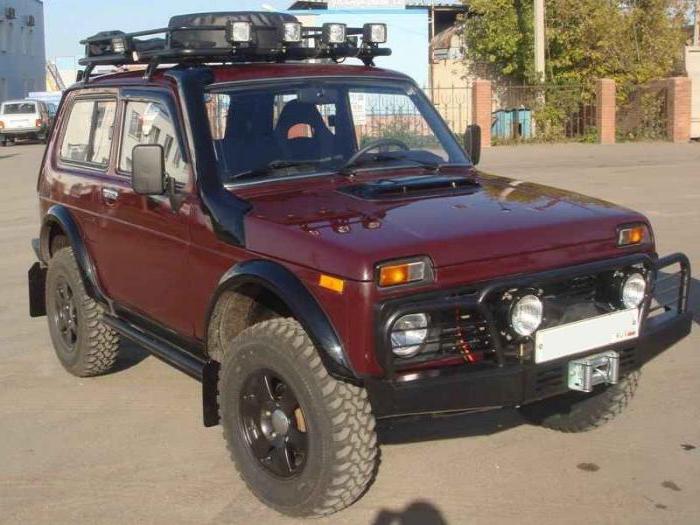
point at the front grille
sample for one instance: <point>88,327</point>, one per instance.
<point>573,299</point>
<point>454,333</point>
<point>460,334</point>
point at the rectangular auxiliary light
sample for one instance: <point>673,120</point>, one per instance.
<point>119,45</point>
<point>239,32</point>
<point>374,33</point>
<point>333,33</point>
<point>291,32</point>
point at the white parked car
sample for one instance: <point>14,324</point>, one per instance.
<point>24,119</point>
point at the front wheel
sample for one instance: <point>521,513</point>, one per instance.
<point>580,412</point>
<point>302,441</point>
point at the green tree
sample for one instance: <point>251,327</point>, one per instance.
<point>499,34</point>
<point>631,41</point>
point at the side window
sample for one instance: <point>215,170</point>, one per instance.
<point>88,136</point>
<point>151,123</point>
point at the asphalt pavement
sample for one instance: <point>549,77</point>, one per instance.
<point>129,447</point>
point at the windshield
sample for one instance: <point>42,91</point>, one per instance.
<point>313,126</point>
<point>18,108</point>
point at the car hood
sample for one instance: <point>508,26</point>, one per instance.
<point>336,227</point>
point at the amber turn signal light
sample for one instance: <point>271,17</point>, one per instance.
<point>331,283</point>
<point>631,235</point>
<point>395,274</point>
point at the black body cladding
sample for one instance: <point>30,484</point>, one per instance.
<point>287,286</point>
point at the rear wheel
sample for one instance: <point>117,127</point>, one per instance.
<point>84,345</point>
<point>580,412</point>
<point>303,442</point>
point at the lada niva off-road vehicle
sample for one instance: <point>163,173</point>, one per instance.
<point>24,119</point>
<point>313,244</point>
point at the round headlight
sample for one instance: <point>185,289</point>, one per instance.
<point>526,315</point>
<point>408,334</point>
<point>633,290</point>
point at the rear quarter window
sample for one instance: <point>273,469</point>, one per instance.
<point>88,133</point>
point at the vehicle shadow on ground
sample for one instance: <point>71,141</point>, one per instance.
<point>8,156</point>
<point>414,429</point>
<point>416,513</point>
<point>130,354</point>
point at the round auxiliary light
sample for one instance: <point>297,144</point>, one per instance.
<point>526,315</point>
<point>633,290</point>
<point>408,334</point>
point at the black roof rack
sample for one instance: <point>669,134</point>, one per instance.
<point>233,37</point>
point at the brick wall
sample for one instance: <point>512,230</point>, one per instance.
<point>605,110</point>
<point>482,100</point>
<point>678,100</point>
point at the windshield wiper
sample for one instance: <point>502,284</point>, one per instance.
<point>347,169</point>
<point>272,166</point>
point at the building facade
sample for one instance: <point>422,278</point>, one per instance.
<point>411,24</point>
<point>22,52</point>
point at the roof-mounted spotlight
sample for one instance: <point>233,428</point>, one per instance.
<point>333,33</point>
<point>291,32</point>
<point>374,33</point>
<point>119,45</point>
<point>238,32</point>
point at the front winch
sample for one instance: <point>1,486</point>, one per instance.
<point>587,372</point>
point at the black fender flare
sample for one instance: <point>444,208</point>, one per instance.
<point>59,215</point>
<point>304,307</point>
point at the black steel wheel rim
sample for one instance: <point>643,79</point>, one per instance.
<point>65,315</point>
<point>273,424</point>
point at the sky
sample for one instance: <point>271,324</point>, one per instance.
<point>69,21</point>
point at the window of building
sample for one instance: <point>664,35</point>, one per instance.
<point>88,134</point>
<point>9,30</point>
<point>151,123</point>
<point>3,36</point>
<point>27,34</point>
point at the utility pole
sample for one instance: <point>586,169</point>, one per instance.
<point>696,32</point>
<point>539,39</point>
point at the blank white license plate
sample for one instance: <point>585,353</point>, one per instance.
<point>19,124</point>
<point>574,338</point>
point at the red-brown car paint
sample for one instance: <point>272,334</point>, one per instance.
<point>167,265</point>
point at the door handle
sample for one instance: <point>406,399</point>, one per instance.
<point>110,194</point>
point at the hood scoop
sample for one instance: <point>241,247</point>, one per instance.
<point>421,186</point>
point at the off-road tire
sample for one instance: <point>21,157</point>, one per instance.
<point>579,412</point>
<point>97,345</point>
<point>342,445</point>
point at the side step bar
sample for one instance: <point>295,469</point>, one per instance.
<point>203,370</point>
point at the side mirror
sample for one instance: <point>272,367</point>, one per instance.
<point>148,169</point>
<point>472,143</point>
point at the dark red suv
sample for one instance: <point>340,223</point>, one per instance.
<point>311,242</point>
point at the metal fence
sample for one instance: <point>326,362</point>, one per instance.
<point>543,113</point>
<point>642,113</point>
<point>454,104</point>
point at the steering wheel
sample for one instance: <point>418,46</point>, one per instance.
<point>374,145</point>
